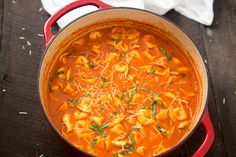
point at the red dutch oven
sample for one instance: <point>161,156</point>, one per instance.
<point>108,13</point>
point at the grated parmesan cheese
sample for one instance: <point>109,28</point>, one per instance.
<point>23,113</point>
<point>21,38</point>
<point>40,9</point>
<point>224,100</point>
<point>28,43</point>
<point>40,35</point>
<point>23,47</point>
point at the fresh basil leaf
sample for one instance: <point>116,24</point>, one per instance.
<point>169,57</point>
<point>152,71</point>
<point>102,107</point>
<point>162,130</point>
<point>130,131</point>
<point>93,143</point>
<point>150,91</point>
<point>90,64</point>
<point>154,105</point>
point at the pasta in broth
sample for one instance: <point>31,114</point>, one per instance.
<point>123,91</point>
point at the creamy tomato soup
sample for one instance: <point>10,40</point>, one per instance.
<point>123,91</point>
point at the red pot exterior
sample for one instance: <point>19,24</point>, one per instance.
<point>203,118</point>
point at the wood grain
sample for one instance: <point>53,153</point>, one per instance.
<point>1,21</point>
<point>220,42</point>
<point>31,135</point>
<point>23,135</point>
<point>1,16</point>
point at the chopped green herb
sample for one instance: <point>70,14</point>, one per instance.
<point>169,57</point>
<point>150,91</point>
<point>102,107</point>
<point>127,95</point>
<point>99,129</point>
<point>73,102</point>
<point>162,102</point>
<point>103,79</point>
<point>90,64</point>
<point>96,128</point>
<point>124,95</point>
<point>163,51</point>
<point>93,143</point>
<point>162,130</point>
<point>133,88</point>
<point>152,71</point>
<point>86,92</point>
<point>154,105</point>
<point>145,89</point>
<point>130,131</point>
<point>132,94</point>
<point>129,148</point>
<point>132,145</point>
<point>118,39</point>
<point>114,113</point>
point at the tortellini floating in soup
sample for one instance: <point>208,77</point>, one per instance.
<point>123,91</point>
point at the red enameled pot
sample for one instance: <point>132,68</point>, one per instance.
<point>108,13</point>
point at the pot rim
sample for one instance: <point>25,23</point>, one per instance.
<point>170,150</point>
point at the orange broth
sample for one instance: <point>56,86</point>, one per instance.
<point>123,91</point>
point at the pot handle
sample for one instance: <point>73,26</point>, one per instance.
<point>209,138</point>
<point>54,18</point>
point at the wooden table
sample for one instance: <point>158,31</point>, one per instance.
<point>31,136</point>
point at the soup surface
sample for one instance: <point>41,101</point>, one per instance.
<point>123,91</point>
